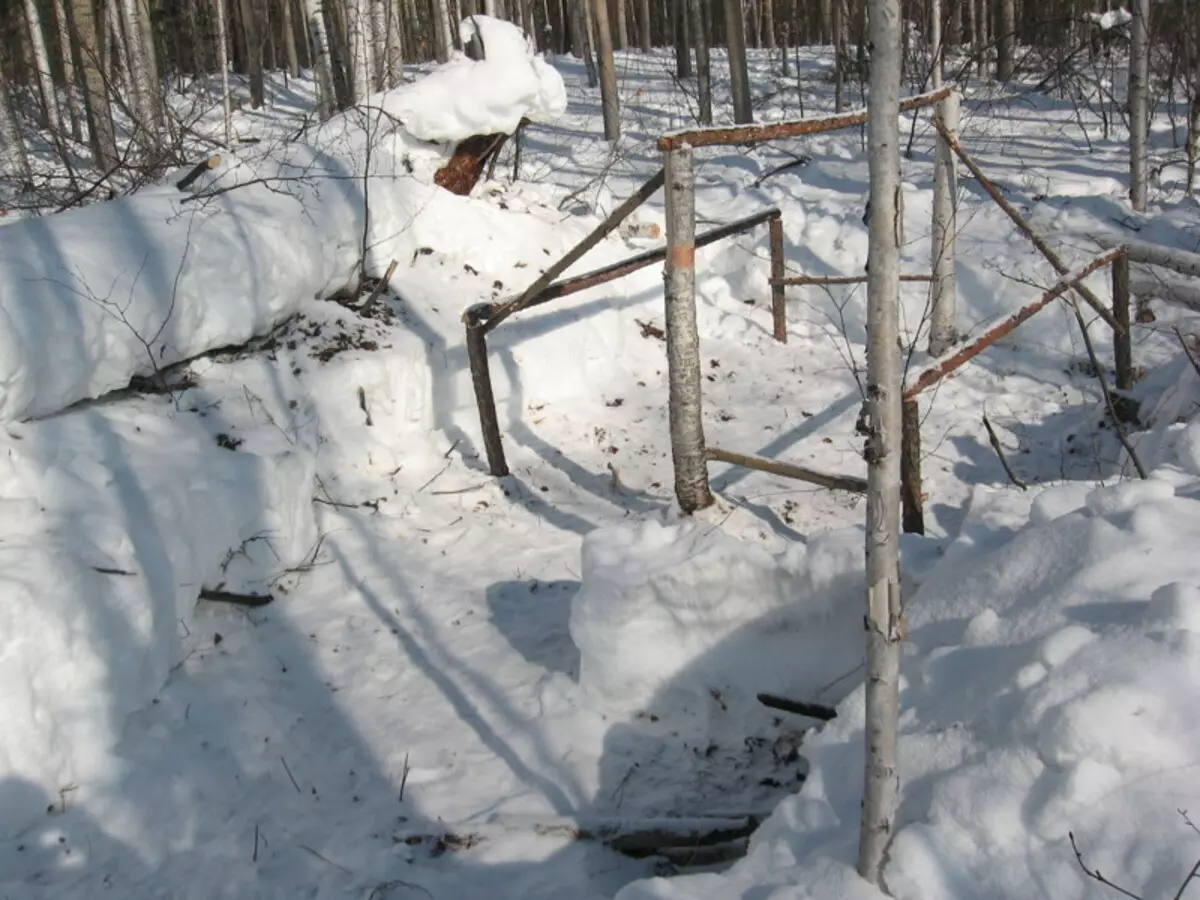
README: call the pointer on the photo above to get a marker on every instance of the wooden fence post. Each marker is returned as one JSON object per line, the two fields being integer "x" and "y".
{"x": 481, "y": 378}
{"x": 913, "y": 518}
{"x": 778, "y": 301}
{"x": 684, "y": 377}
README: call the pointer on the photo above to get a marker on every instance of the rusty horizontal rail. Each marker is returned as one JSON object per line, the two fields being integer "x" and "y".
{"x": 772, "y": 131}
{"x": 789, "y": 470}
{"x": 796, "y": 280}
{"x": 943, "y": 367}
{"x": 483, "y": 312}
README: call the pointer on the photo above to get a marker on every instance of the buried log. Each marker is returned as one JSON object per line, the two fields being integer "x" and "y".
{"x": 799, "y": 707}
{"x": 693, "y": 840}
{"x": 789, "y": 470}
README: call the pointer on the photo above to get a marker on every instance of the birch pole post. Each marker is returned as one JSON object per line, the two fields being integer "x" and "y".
{"x": 885, "y": 614}
{"x": 684, "y": 378}
{"x": 1139, "y": 102}
{"x": 943, "y": 317}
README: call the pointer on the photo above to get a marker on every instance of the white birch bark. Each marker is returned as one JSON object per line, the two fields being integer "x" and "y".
{"x": 139, "y": 75}
{"x": 684, "y": 377}
{"x": 393, "y": 49}
{"x": 70, "y": 87}
{"x": 943, "y": 319}
{"x": 318, "y": 35}
{"x": 41, "y": 63}
{"x": 358, "y": 37}
{"x": 884, "y": 619}
{"x": 379, "y": 43}
{"x": 1139, "y": 102}
{"x": 223, "y": 64}
{"x": 101, "y": 132}
{"x": 935, "y": 43}
{"x": 117, "y": 51}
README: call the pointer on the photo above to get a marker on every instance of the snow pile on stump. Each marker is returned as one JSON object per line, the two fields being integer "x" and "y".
{"x": 1047, "y": 690}
{"x": 94, "y": 296}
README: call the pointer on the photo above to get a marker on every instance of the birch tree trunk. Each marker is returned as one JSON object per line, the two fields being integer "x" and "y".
{"x": 935, "y": 43}
{"x": 579, "y": 22}
{"x": 41, "y": 63}
{"x": 943, "y": 319}
{"x": 703, "y": 62}
{"x": 1139, "y": 102}
{"x": 644, "y": 40}
{"x": 884, "y": 619}
{"x": 70, "y": 85}
{"x": 13, "y": 155}
{"x": 358, "y": 37}
{"x": 739, "y": 78}
{"x": 393, "y": 52}
{"x": 685, "y": 393}
{"x": 117, "y": 49}
{"x": 319, "y": 38}
{"x": 289, "y": 39}
{"x": 223, "y": 65}
{"x": 608, "y": 72}
{"x": 379, "y": 26}
{"x": 101, "y": 133}
{"x": 139, "y": 75}
{"x": 621, "y": 36}
{"x": 150, "y": 59}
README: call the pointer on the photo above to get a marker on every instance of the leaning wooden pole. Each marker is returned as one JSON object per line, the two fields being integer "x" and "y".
{"x": 912, "y": 501}
{"x": 481, "y": 379}
{"x": 1122, "y": 340}
{"x": 683, "y": 338}
{"x": 1017, "y": 219}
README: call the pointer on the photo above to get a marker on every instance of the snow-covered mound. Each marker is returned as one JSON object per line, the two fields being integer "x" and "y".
{"x": 686, "y": 607}
{"x": 1048, "y": 689}
{"x": 91, "y": 297}
{"x": 113, "y": 520}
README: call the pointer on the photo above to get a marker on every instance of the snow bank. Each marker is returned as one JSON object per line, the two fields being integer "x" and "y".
{"x": 91, "y": 297}
{"x": 1048, "y": 688}
{"x": 685, "y": 607}
{"x": 110, "y": 524}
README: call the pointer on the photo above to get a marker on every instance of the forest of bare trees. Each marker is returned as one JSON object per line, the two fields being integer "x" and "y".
{"x": 112, "y": 89}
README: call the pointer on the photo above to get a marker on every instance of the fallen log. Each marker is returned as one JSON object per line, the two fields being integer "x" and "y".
{"x": 461, "y": 173}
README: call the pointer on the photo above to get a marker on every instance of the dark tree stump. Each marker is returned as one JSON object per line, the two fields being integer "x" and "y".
{"x": 462, "y": 172}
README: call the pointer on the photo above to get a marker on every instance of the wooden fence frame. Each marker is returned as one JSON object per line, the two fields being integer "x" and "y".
{"x": 482, "y": 318}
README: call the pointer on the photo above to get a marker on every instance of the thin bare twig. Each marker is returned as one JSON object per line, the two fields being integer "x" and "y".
{"x": 995, "y": 442}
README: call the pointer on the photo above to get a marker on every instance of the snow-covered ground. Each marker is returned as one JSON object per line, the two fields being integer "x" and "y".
{"x": 457, "y": 671}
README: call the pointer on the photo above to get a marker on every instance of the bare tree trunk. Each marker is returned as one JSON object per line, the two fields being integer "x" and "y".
{"x": 13, "y": 154}
{"x": 769, "y": 27}
{"x": 289, "y": 39}
{"x": 139, "y": 74}
{"x": 150, "y": 54}
{"x": 884, "y": 619}
{"x": 982, "y": 35}
{"x": 644, "y": 40}
{"x": 252, "y": 29}
{"x": 683, "y": 41}
{"x": 621, "y": 36}
{"x": 101, "y": 133}
{"x": 838, "y": 69}
{"x": 321, "y": 60}
{"x": 41, "y": 63}
{"x": 393, "y": 53}
{"x": 684, "y": 377}
{"x": 70, "y": 84}
{"x": 608, "y": 72}
{"x": 441, "y": 24}
{"x": 943, "y": 320}
{"x": 1005, "y": 41}
{"x": 223, "y": 64}
{"x": 116, "y": 50}
{"x": 935, "y": 43}
{"x": 703, "y": 62}
{"x": 580, "y": 21}
{"x": 1139, "y": 102}
{"x": 358, "y": 34}
{"x": 739, "y": 78}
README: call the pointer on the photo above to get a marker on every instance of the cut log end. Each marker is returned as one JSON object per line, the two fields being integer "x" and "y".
{"x": 464, "y": 169}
